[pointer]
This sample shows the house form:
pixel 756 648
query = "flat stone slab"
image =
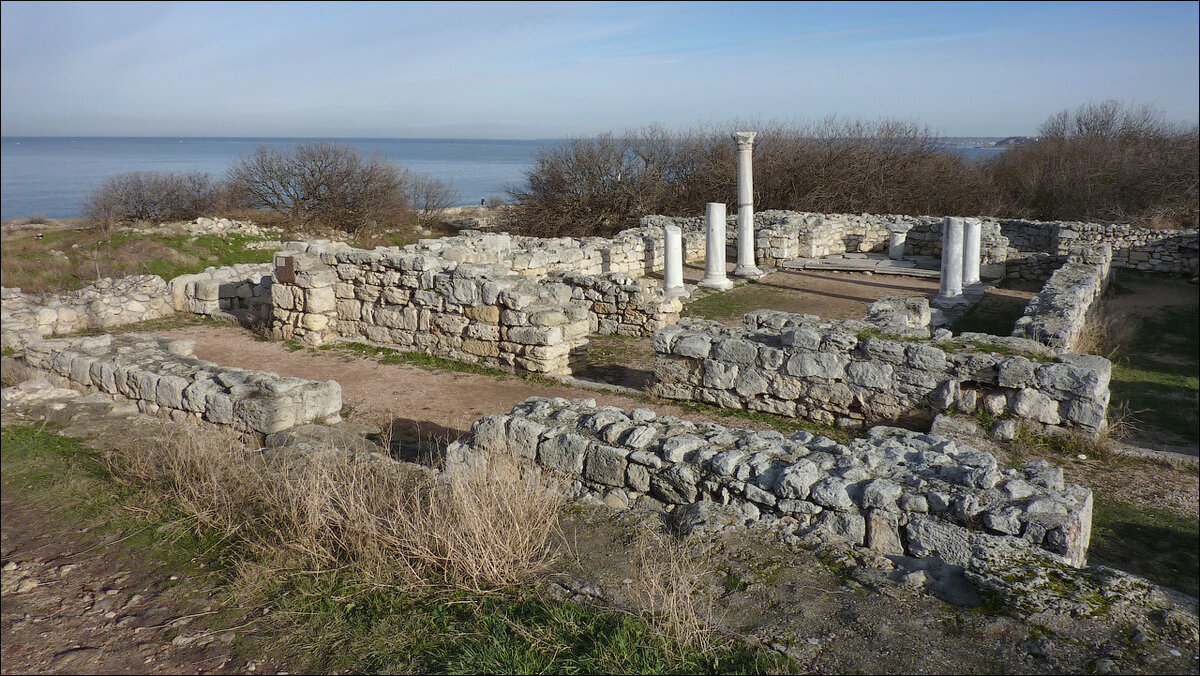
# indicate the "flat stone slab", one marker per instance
pixel 909 272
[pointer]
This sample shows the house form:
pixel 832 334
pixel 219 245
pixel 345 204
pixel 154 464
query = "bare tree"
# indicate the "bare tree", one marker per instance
pixel 149 196
pixel 1106 161
pixel 322 184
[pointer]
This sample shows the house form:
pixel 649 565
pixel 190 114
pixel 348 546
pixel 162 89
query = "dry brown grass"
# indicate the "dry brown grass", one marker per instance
pixel 332 508
pixel 670 586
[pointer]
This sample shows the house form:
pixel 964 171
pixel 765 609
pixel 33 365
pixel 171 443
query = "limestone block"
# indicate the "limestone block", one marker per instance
pixel 605 464
pixel 563 452
pixel 883 533
pixel 320 300
pixel 675 485
pixel 843 525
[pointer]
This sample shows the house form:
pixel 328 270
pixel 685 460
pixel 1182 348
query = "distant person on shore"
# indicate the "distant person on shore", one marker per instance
pixel 482 201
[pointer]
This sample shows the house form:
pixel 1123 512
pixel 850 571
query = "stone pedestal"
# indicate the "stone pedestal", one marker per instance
pixel 970 265
pixel 673 264
pixel 897 239
pixel 745 217
pixel 714 256
pixel 952 258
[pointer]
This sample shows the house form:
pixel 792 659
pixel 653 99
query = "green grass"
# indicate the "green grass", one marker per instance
pixel 1162 546
pixel 336 620
pixel 725 305
pixel 384 630
pixel 210 250
pixel 1156 374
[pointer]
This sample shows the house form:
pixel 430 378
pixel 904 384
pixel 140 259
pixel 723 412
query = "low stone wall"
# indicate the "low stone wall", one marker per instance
pixel 162 376
pixel 238 288
pixel 1056 316
pixel 101 305
pixel 781 236
pixel 896 491
pixel 475 313
pixel 470 312
pixel 851 372
pixel 635 252
pixel 620 304
pixel 1170 251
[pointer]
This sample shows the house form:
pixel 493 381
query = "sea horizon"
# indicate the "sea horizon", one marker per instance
pixel 51 176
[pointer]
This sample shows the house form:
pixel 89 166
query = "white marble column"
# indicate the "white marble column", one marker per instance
pixel 971 235
pixel 673 264
pixel 952 258
pixel 714 252
pixel 745 216
pixel 897 238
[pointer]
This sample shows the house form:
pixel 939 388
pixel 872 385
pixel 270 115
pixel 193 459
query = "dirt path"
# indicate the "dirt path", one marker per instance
pixel 439 403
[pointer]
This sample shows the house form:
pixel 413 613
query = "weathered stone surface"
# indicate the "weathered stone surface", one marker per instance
pixel 161 376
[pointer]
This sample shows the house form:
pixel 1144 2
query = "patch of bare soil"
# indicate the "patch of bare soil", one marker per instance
pixel 75 603
pixel 441 404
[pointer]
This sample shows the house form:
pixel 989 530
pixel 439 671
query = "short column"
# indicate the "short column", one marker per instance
pixel 745 216
pixel 714 251
pixel 952 258
pixel 971 235
pixel 673 265
pixel 897 239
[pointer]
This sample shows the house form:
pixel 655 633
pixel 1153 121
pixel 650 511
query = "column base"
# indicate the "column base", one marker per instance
pixel 720 284
pixel 748 271
pixel 678 292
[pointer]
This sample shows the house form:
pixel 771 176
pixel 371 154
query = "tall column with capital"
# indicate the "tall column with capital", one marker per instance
pixel 745 193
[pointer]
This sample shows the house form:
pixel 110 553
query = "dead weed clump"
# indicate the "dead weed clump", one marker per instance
pixel 333 509
pixel 670 586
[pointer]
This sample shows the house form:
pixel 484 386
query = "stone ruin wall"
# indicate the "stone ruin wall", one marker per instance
pixel 101 305
pixel 1058 314
pixel 896 491
pixel 479 313
pixel 635 252
pixel 236 289
pixel 161 376
pixel 1021 249
pixel 884 368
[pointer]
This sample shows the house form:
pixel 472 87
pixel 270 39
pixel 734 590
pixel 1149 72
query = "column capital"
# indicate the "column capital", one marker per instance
pixel 744 139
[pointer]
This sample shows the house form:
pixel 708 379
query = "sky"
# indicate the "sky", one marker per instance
pixel 554 70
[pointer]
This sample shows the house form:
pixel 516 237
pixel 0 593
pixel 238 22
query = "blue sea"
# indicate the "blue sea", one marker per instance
pixel 51 176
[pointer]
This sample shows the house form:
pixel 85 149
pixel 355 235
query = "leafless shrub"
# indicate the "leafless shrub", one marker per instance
pixel 425 195
pixel 330 185
pixel 598 186
pixel 669 585
pixel 1109 162
pixel 149 196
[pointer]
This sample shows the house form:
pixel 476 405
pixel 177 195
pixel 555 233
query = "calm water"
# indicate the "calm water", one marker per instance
pixel 52 176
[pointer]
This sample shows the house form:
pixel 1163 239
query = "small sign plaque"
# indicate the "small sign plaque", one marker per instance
pixel 285 270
